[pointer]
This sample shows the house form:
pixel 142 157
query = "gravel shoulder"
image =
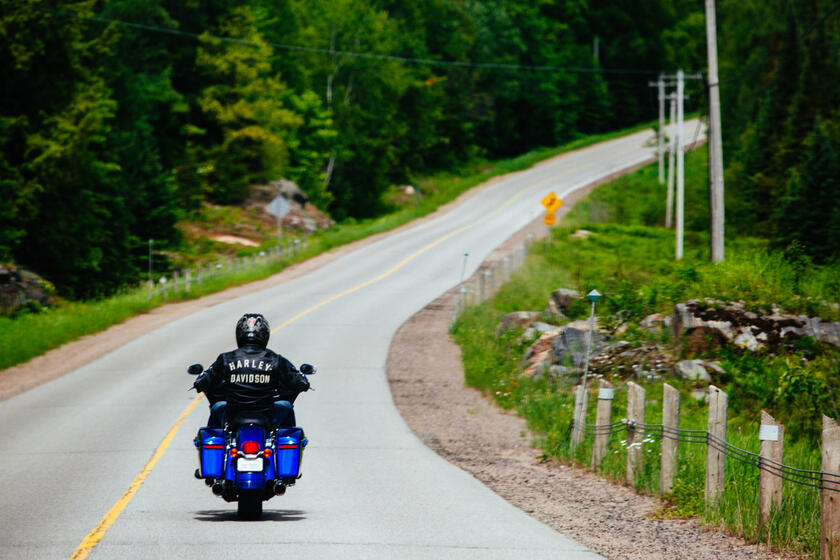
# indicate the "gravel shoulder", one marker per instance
pixel 464 427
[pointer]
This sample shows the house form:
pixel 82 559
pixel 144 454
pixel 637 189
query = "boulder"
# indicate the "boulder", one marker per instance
pixel 553 313
pixel 570 345
pixel 22 289
pixel 516 320
pixel 563 298
pixel 692 370
pixel 655 323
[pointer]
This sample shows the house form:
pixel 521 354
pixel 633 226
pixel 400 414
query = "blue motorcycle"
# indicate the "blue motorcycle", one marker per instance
pixel 249 461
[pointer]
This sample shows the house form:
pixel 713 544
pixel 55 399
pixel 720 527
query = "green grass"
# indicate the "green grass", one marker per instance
pixel 71 320
pixel 629 258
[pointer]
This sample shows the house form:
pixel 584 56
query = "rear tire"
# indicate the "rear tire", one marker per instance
pixel 250 505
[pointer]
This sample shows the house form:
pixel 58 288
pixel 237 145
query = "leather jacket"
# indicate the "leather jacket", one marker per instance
pixel 251 378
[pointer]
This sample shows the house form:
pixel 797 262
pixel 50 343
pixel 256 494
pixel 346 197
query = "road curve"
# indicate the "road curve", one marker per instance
pixel 80 452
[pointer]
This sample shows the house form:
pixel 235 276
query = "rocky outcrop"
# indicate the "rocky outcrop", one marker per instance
pixel 285 198
pixel 700 324
pixel 21 289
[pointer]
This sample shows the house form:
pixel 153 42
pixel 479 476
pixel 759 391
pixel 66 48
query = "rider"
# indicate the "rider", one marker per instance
pixel 252 378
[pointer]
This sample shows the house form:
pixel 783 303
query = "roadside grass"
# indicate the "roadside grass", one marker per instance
pixel 71 320
pixel 628 257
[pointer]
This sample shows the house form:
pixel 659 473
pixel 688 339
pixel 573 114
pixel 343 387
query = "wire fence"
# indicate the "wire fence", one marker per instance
pixel 184 279
pixel 815 479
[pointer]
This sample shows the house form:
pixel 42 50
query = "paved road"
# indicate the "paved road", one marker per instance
pixel 71 448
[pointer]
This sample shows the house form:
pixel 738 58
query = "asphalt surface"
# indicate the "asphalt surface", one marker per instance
pixel 74 446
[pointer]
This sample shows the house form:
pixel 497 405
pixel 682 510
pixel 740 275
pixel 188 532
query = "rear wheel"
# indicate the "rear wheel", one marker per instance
pixel 250 505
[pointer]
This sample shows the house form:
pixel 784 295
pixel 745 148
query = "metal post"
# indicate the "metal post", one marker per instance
pixel 592 297
pixel 680 165
pixel 715 140
pixel 151 281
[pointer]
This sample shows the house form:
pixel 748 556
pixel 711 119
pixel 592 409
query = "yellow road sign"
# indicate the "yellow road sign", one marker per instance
pixel 552 203
pixel 550 219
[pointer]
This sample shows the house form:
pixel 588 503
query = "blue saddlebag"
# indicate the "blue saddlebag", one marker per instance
pixel 290 444
pixel 211 451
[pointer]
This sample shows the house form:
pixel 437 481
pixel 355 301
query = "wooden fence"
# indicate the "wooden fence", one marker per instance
pixel 772 472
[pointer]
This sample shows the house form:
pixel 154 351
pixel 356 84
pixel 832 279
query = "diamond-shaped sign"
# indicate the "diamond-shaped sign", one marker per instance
pixel 552 203
pixel 593 296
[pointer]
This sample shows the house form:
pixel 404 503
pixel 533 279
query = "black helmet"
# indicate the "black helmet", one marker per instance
pixel 252 328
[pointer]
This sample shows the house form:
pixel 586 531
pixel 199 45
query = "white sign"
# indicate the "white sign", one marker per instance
pixel 768 432
pixel 605 394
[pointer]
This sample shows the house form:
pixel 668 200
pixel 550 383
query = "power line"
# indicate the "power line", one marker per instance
pixel 335 52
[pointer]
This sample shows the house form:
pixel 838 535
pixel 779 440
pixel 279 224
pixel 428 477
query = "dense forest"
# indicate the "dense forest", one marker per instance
pixel 120 117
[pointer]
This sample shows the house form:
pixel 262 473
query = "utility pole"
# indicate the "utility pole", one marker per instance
pixel 715 140
pixel 660 87
pixel 680 165
pixel 672 153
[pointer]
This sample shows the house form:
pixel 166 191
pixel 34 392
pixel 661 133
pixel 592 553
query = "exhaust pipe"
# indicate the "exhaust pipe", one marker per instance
pixel 218 488
pixel 279 488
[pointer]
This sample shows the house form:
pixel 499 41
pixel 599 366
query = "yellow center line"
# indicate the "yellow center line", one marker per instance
pixel 98 532
pixel 95 536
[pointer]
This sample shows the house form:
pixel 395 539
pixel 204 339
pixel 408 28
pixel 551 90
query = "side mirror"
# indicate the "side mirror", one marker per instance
pixel 195 369
pixel 307 369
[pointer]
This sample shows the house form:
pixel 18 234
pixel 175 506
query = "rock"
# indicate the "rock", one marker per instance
pixel 23 289
pixel 516 320
pixel 570 345
pixel 552 313
pixel 655 323
pixel 692 370
pixel 541 327
pixel 719 322
pixel 746 339
pixel 700 395
pixel 581 234
pixel 563 298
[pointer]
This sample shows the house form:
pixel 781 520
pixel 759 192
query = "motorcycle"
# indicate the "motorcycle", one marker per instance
pixel 248 461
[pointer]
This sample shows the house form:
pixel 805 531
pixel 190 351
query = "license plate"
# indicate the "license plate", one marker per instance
pixel 250 465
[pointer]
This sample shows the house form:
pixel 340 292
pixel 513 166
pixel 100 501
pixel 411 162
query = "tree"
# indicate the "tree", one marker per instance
pixel 243 118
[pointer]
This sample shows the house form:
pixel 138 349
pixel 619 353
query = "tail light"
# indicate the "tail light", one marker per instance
pixel 250 447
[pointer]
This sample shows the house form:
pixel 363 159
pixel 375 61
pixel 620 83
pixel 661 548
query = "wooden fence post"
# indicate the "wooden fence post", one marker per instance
pixel 670 439
pixel 603 417
pixel 635 432
pixel 579 415
pixel 188 279
pixel 715 458
pixel 772 436
pixel 830 506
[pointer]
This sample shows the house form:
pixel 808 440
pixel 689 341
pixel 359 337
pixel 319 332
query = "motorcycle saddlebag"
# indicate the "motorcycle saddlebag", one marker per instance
pixel 211 451
pixel 290 444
